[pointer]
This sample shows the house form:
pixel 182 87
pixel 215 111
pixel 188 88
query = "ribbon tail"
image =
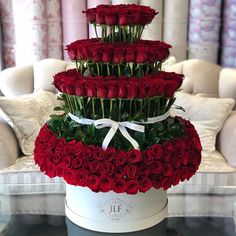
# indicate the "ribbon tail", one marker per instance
pixel 109 136
pixel 125 133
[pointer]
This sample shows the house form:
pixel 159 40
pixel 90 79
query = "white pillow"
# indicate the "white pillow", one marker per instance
pixel 26 115
pixel 206 114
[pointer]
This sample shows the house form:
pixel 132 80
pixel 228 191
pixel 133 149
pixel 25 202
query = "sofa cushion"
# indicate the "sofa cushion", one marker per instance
pixel 26 115
pixel 25 177
pixel 206 114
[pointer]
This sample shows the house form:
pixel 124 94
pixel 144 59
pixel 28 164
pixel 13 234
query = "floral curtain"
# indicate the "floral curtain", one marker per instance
pixel 31 30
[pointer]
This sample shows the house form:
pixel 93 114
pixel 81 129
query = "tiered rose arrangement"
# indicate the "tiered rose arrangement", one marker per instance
pixel 115 132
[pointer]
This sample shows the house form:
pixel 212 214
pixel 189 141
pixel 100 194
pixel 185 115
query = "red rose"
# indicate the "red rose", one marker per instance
pixel 131 171
pixel 102 91
pixel 86 154
pixel 119 54
pixel 107 168
pixel 91 166
pixel 105 183
pixel 122 92
pixel 69 176
pixel 167 170
pixel 176 177
pixel 90 15
pixel 76 163
pixel 147 14
pixel 66 161
pixel 69 148
pixel 134 156
pixel 132 186
pixel 97 52
pixel 80 88
pixel 81 178
pixel 143 171
pixel 93 182
pixel 56 158
pixel 50 170
pixel 59 171
pixel 156 181
pixel 130 54
pixel 111 17
pixel 133 85
pixel 107 54
pixel 60 146
pixel 157 167
pixel 134 12
pixel 167 147
pixel 120 158
pixel 166 183
pixel 170 88
pixel 141 54
pixel 91 88
pixel 112 89
pixel 100 18
pixel 123 17
pixel 119 172
pixel 119 185
pixel 98 153
pixel 147 159
pixel 109 153
pixel 145 184
pixel 155 151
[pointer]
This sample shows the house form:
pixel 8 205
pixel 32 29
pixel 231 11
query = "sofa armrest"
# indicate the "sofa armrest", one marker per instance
pixel 16 81
pixel 9 150
pixel 226 139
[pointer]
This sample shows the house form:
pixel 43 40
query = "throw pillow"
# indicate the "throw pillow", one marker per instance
pixel 26 115
pixel 206 114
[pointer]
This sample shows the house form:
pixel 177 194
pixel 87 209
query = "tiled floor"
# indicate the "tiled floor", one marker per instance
pixel 170 227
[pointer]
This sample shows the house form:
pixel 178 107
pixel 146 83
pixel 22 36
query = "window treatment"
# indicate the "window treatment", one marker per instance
pixel 36 29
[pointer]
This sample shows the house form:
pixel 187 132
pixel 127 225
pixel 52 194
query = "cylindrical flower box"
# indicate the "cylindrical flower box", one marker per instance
pixel 115 213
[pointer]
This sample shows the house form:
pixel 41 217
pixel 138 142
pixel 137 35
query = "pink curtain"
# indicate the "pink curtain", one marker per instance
pixel 73 21
pixel 31 30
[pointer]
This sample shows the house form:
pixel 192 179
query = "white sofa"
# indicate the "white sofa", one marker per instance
pixel 31 192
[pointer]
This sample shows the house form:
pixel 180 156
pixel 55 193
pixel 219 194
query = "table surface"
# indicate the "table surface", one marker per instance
pixel 176 224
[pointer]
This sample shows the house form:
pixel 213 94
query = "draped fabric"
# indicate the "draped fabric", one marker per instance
pixel 204 29
pixel 228 58
pixel 31 30
pixel 154 30
pixel 36 29
pixel 175 27
pixel 73 21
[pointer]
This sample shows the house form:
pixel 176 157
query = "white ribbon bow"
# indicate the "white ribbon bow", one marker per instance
pixel 115 125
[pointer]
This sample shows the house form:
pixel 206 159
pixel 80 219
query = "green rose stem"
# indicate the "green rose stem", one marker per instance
pixel 90 72
pixel 95 29
pixel 76 65
pixel 158 105
pixel 102 106
pixel 148 110
pixel 111 105
pixel 119 71
pixel 108 69
pixel 98 70
pixel 93 107
pixel 101 68
pixel 83 105
pixel 119 30
pixel 119 116
pixel 112 34
pixel 130 108
pixel 75 102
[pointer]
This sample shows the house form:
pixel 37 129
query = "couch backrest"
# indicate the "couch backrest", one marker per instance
pixel 201 77
pixel 16 81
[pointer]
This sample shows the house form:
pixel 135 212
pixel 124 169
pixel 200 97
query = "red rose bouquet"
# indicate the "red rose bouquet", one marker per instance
pixel 116 132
